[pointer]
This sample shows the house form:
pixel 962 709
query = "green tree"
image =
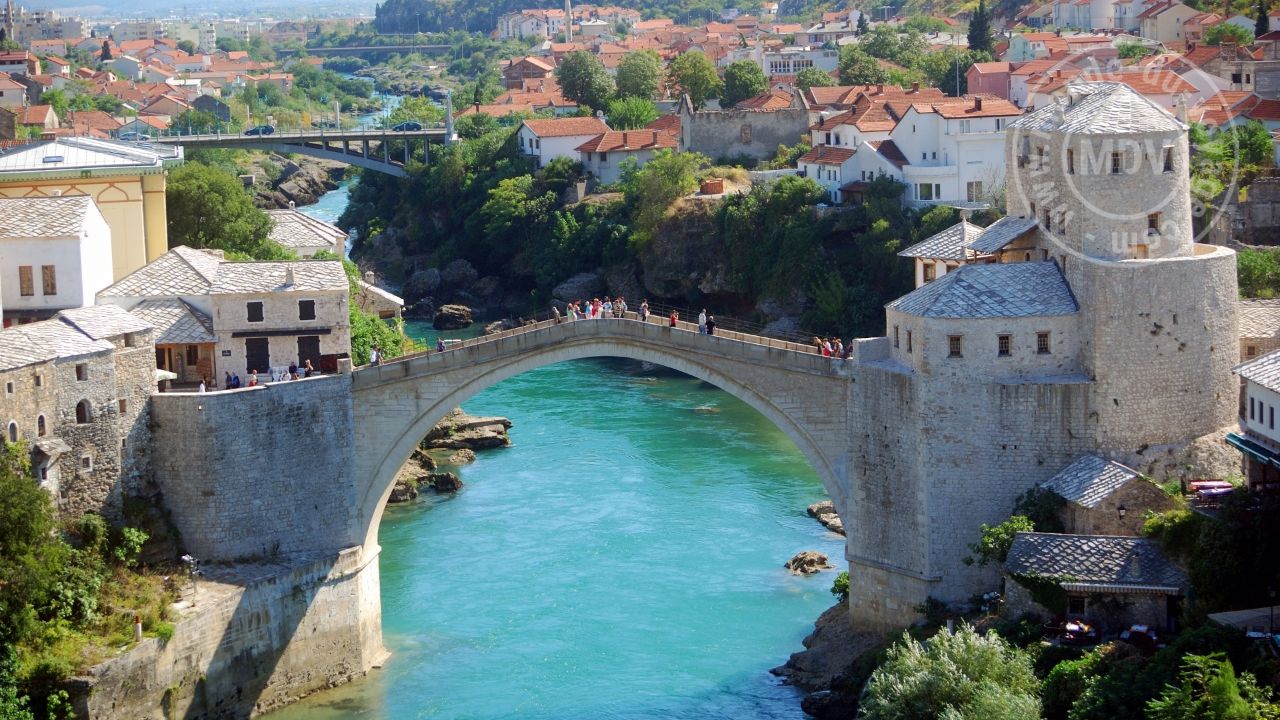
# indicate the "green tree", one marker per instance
pixel 630 113
pixel 1261 23
pixel 1131 50
pixel 195 122
pixel 858 68
pixel 106 51
pixel 1259 272
pixel 996 540
pixel 640 74
pixel 583 79
pixel 187 47
pixel 743 79
pixel 1227 32
pixel 1209 689
pixel 980 29
pixel 863 26
pixel 965 676
pixel 209 208
pixel 813 77
pixel 58 100
pixel 418 109
pixel 696 76
pixel 946 69
pixel 650 190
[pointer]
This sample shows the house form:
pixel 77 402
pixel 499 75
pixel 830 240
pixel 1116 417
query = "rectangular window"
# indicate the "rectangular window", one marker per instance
pixel 973 190
pixel 82 372
pixel 1004 345
pixel 1048 222
pixel 254 311
pixel 48 280
pixel 124 406
pixel 924 191
pixel 908 341
pixel 306 309
pixel 1168 160
pixel 8 387
pixel 1271 417
pixel 86 463
pixel 1071 162
pixel 1075 606
pixel 1251 414
pixel 953 346
pixel 193 355
pixel 930 272
pixel 39 381
pixel 1153 224
pixel 1042 343
pixel 895 336
pixel 604 157
pixel 26 281
pixel 1117 163
pixel 1251 350
pixel 999 124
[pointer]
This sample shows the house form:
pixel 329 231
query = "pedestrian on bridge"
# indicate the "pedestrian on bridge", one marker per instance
pixel 711 324
pixel 556 311
pixel 440 344
pixel 702 321
pixel 675 318
pixel 644 310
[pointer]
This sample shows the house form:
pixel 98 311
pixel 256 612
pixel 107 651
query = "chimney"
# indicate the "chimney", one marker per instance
pixel 292 205
pixel 880 89
pixel 1180 107
pixel 1059 114
pixel 977 103
pixel 368 276
pixel 288 275
pixel 915 87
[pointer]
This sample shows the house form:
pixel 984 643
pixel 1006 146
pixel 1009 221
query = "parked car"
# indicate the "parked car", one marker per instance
pixel 324 124
pixel 261 130
pixel 133 136
pixel 407 126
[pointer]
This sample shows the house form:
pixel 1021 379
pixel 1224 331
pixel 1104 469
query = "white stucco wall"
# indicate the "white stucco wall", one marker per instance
pixel 82 267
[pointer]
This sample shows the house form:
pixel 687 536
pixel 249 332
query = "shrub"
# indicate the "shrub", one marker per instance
pixel 840 587
pixel 994 544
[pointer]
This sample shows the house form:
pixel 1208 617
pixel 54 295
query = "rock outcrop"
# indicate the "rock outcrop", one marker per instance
pixel 583 286
pixel 807 562
pixel 452 317
pixel 459 431
pixel 462 457
pixel 444 482
pixel 825 513
pixel 301 182
pixel 421 285
pixel 829 651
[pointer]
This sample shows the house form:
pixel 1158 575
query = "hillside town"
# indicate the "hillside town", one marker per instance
pixel 1047 258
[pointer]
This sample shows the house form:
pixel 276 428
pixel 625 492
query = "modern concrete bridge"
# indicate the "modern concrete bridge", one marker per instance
pixel 381 150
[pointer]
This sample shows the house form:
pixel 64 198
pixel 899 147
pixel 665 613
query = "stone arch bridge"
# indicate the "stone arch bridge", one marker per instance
pixel 295 476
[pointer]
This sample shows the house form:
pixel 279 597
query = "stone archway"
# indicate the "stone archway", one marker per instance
pixel 395 410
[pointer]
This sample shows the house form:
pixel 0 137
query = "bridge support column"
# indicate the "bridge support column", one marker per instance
pixel 883 597
pixel 365 147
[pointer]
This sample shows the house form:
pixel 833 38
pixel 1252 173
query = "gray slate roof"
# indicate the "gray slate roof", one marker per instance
pixel 104 321
pixel 46 340
pixel 1095 560
pixel 181 271
pixel 1000 233
pixel 292 229
pixel 176 322
pixel 950 244
pixel 184 272
pixel 1100 108
pixel 1264 371
pixel 44 217
pixel 1027 289
pixel 82 153
pixel 1259 318
pixel 307 275
pixel 1089 480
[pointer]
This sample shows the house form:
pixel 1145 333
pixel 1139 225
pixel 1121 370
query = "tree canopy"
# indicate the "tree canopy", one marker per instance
pixel 209 208
pixel 813 77
pixel 1227 32
pixel 630 113
pixel 640 74
pixel 742 79
pixel 583 78
pixel 980 29
pixel 696 76
pixel 858 68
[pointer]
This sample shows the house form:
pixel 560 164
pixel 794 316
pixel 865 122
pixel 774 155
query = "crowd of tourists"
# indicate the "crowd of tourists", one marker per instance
pixel 596 309
pixel 833 348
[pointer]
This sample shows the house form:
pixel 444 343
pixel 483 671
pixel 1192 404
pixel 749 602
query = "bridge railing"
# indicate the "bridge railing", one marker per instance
pixel 547 320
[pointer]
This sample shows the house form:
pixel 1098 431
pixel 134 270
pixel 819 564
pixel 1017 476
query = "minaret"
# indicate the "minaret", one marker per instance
pixel 8 21
pixel 568 20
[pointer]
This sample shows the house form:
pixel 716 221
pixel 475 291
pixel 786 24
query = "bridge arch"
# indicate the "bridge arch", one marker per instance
pixel 397 404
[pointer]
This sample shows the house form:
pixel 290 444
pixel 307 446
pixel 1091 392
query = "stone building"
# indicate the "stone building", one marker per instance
pixel 1259 328
pixel 305 235
pixel 964 243
pixel 215 316
pixel 1104 497
pixel 76 390
pixel 736 133
pixel 1112 581
pixel 55 253
pixel 1258 439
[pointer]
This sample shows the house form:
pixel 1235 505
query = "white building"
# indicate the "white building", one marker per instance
pixel 785 61
pixel 260 316
pixel 965 243
pixel 546 140
pixel 831 167
pixel 137 30
pixel 603 156
pixel 1258 439
pixel 55 253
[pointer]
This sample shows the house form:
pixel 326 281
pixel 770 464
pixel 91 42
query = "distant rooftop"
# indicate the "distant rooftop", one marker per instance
pixel 186 272
pixel 293 229
pixel 1264 371
pixel 1089 480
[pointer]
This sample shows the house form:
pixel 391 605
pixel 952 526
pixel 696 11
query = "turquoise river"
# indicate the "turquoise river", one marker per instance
pixel 621 561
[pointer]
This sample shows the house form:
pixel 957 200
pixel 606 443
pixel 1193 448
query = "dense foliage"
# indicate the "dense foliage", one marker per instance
pixel 742 79
pixel 694 74
pixel 639 74
pixel 629 113
pixel 209 208
pixel 584 80
pixel 965 676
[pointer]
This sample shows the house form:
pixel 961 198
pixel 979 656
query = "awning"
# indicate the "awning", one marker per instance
pixel 1119 588
pixel 1254 450
pixel 165 375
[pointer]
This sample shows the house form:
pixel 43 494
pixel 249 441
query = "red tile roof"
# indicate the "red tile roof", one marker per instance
pixel 962 108
pixel 1264 110
pixel 669 124
pixel 890 151
pixel 772 100
pixel 826 155
pixel 628 140
pixel 566 127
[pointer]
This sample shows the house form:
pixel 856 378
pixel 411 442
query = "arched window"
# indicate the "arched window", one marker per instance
pixel 83 413
pixel 40 426
pixel 13 432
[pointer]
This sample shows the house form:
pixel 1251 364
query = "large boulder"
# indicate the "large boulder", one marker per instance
pixel 808 562
pixel 405 489
pixel 458 274
pixel 421 284
pixel 452 317
pixel 825 513
pixel 459 431
pixel 582 286
pixel 443 482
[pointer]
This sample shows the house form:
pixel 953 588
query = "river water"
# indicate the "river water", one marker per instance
pixel 622 560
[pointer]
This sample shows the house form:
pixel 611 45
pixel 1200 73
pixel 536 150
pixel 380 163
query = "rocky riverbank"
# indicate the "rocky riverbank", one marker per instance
pixel 828 667
pixel 279 180
pixel 451 442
